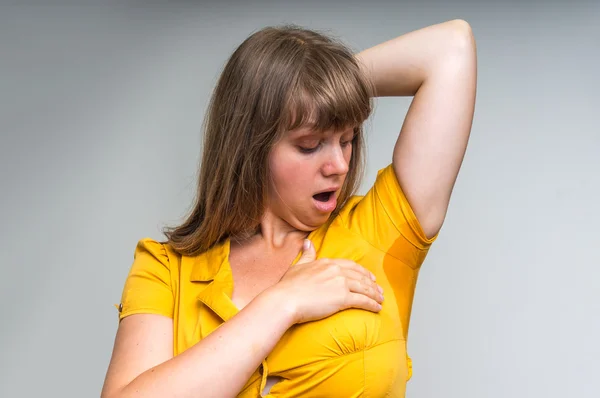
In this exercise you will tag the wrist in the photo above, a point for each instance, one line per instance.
(280, 304)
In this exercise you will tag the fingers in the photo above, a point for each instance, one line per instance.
(368, 289)
(363, 293)
(360, 301)
(360, 283)
(358, 279)
(352, 266)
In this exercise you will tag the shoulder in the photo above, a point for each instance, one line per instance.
(384, 191)
(151, 246)
(384, 215)
(149, 287)
(153, 258)
(156, 251)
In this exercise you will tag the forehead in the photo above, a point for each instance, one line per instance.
(310, 131)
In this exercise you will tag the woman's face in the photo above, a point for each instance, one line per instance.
(308, 170)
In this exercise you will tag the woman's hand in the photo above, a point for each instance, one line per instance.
(314, 289)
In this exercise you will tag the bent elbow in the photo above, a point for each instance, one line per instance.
(463, 37)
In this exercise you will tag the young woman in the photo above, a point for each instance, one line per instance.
(274, 285)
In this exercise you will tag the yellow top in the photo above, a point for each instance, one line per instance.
(349, 354)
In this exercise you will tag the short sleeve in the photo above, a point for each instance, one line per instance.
(148, 288)
(386, 220)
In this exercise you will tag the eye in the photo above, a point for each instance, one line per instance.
(344, 144)
(347, 140)
(309, 150)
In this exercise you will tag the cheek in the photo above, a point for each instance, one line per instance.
(290, 174)
(295, 177)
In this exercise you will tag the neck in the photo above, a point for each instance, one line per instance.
(275, 233)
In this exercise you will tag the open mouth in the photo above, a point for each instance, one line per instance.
(325, 202)
(323, 196)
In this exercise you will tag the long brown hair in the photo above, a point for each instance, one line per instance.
(278, 79)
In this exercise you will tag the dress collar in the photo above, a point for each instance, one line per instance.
(213, 266)
(206, 265)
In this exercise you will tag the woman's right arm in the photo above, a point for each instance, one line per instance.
(218, 366)
(142, 363)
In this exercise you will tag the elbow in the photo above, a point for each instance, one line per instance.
(461, 27)
(462, 35)
(459, 49)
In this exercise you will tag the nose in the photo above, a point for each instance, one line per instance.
(336, 163)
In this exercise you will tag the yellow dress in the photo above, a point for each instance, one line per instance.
(353, 353)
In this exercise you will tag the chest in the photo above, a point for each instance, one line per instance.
(351, 353)
(254, 271)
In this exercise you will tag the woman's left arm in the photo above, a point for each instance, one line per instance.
(437, 65)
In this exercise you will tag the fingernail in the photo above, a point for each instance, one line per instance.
(380, 289)
(306, 245)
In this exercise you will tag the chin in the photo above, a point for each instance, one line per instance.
(305, 220)
(311, 223)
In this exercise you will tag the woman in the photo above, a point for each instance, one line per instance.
(238, 302)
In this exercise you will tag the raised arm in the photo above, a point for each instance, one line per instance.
(437, 65)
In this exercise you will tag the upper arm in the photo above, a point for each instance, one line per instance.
(433, 139)
(143, 341)
(145, 333)
(149, 285)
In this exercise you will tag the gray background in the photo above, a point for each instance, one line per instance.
(101, 107)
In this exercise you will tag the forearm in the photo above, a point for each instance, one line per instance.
(400, 66)
(220, 364)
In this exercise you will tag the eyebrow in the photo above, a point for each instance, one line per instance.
(309, 131)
